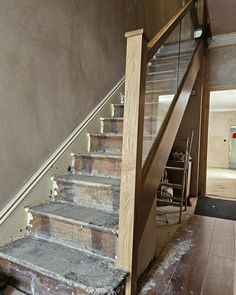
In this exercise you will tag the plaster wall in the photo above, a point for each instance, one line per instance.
(219, 138)
(58, 59)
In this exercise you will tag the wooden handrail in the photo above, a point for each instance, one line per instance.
(158, 40)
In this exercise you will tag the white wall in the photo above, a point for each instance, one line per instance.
(219, 130)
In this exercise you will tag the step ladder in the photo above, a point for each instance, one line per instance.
(166, 199)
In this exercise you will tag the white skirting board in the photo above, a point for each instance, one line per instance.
(14, 217)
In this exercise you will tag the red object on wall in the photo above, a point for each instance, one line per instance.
(234, 135)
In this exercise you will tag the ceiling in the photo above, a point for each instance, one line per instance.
(223, 101)
(222, 16)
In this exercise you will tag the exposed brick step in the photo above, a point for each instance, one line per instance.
(97, 164)
(91, 191)
(38, 266)
(80, 227)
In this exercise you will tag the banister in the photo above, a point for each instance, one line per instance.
(158, 40)
(158, 154)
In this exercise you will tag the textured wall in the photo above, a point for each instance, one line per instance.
(222, 16)
(221, 67)
(58, 59)
(219, 138)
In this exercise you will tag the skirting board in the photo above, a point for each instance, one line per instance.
(14, 217)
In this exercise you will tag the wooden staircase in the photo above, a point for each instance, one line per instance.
(71, 245)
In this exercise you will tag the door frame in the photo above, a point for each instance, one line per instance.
(204, 134)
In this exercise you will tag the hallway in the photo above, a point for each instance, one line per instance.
(199, 259)
(221, 182)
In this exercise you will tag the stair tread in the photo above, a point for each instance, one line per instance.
(87, 179)
(99, 155)
(71, 266)
(90, 217)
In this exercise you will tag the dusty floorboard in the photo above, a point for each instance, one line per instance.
(199, 258)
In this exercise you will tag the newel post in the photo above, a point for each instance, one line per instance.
(136, 62)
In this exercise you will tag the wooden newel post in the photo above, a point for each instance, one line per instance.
(136, 62)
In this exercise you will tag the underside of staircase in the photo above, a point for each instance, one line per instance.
(71, 245)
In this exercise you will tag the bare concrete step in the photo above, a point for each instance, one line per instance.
(110, 143)
(91, 191)
(37, 266)
(97, 164)
(80, 227)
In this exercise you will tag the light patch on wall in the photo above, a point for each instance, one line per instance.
(223, 101)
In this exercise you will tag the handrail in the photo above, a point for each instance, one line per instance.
(139, 183)
(158, 40)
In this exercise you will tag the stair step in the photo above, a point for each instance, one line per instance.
(171, 59)
(174, 185)
(115, 125)
(110, 143)
(37, 266)
(91, 191)
(97, 164)
(81, 227)
(117, 110)
(153, 95)
(161, 84)
(168, 66)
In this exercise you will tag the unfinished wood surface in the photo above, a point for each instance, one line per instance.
(159, 153)
(132, 156)
(161, 36)
(189, 264)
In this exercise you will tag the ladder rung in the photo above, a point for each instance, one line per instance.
(168, 202)
(174, 185)
(174, 168)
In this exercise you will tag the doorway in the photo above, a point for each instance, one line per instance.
(221, 153)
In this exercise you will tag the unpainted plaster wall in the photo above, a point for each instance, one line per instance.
(58, 59)
(222, 16)
(219, 138)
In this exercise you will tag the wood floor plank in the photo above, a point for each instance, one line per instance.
(219, 278)
(189, 275)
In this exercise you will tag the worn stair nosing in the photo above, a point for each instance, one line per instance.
(54, 275)
(75, 221)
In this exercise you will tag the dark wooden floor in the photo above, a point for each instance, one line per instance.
(200, 259)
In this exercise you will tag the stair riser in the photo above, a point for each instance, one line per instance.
(154, 97)
(100, 197)
(164, 84)
(105, 144)
(167, 67)
(74, 234)
(161, 75)
(33, 282)
(148, 127)
(156, 109)
(114, 126)
(170, 60)
(118, 111)
(109, 167)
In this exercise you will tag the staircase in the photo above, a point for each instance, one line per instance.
(71, 245)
